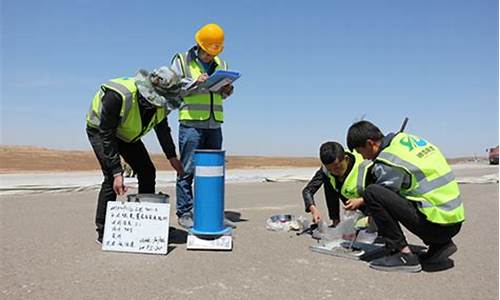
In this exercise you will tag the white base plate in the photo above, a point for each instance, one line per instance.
(343, 248)
(224, 242)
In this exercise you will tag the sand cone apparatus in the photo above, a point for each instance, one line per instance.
(209, 193)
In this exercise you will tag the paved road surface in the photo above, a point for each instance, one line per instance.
(47, 251)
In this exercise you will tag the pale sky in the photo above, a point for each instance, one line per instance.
(309, 69)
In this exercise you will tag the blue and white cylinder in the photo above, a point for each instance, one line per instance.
(209, 192)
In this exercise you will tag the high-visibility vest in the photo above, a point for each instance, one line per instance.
(130, 128)
(355, 181)
(197, 107)
(433, 185)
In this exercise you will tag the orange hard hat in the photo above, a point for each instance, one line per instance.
(210, 38)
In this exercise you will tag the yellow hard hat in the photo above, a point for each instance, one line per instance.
(211, 39)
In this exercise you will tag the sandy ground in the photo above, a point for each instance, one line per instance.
(27, 158)
(48, 252)
(15, 159)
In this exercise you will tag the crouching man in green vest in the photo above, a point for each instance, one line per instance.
(346, 175)
(122, 111)
(414, 186)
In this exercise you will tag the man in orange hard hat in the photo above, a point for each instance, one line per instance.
(201, 113)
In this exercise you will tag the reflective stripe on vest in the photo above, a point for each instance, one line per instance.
(183, 58)
(130, 128)
(433, 185)
(448, 206)
(202, 107)
(354, 183)
(198, 107)
(424, 185)
(93, 119)
(126, 94)
(362, 172)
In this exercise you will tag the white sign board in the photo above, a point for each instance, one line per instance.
(136, 227)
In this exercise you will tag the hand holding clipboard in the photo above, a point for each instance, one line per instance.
(219, 79)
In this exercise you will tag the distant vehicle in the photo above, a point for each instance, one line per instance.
(493, 155)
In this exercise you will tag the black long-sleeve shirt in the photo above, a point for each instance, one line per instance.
(332, 195)
(313, 186)
(110, 119)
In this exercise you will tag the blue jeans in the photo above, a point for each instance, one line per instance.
(191, 139)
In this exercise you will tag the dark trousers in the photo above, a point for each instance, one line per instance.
(136, 155)
(389, 209)
(332, 199)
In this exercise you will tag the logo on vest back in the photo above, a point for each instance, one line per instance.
(411, 142)
(424, 148)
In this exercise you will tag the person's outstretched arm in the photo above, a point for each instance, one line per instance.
(167, 144)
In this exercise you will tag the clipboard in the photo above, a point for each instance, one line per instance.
(219, 79)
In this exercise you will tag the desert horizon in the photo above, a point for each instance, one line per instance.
(21, 158)
(16, 158)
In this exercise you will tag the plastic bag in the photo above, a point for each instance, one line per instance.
(345, 230)
(367, 237)
(348, 228)
(284, 223)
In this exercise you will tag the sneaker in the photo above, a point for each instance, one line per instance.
(379, 241)
(185, 221)
(438, 253)
(99, 239)
(403, 262)
(228, 223)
